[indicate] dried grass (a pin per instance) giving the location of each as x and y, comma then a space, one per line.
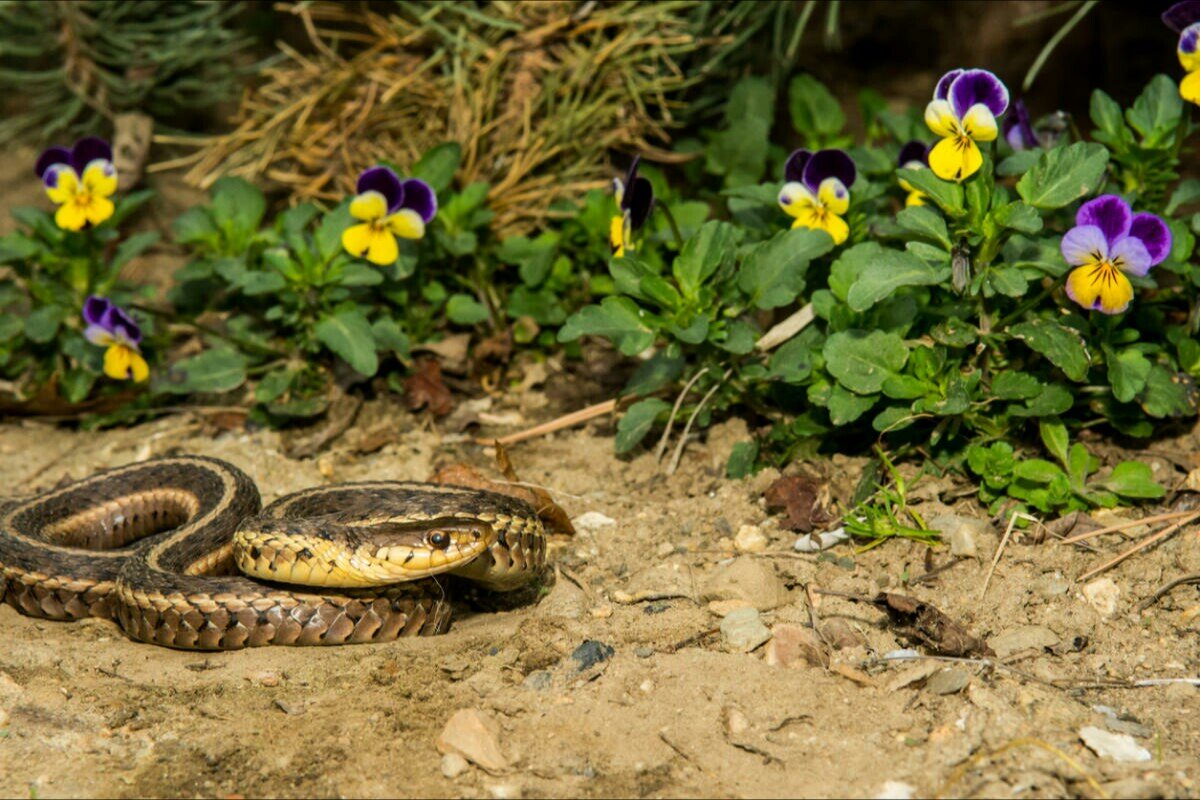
535, 92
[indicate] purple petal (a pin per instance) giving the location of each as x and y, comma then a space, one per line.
1130, 256
94, 309
829, 164
638, 201
914, 151
1109, 213
122, 326
1154, 234
793, 168
978, 86
942, 91
384, 181
420, 197
632, 173
87, 150
1189, 38
1084, 244
1018, 130
97, 335
51, 156
1181, 15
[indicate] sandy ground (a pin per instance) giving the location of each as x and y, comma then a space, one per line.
84, 711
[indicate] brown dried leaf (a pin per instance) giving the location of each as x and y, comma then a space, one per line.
424, 388
922, 623
801, 498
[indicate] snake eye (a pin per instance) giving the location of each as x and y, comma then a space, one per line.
439, 539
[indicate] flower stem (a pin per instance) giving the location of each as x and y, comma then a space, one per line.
674, 226
1032, 302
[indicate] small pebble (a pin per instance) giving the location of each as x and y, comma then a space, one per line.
795, 646
475, 736
592, 521
743, 630
962, 532
325, 466
453, 765
1117, 746
948, 681
602, 612
896, 790
722, 608
268, 678
665, 549
591, 653
1051, 585
750, 539
1102, 594
643, 652
1023, 638
504, 791
538, 680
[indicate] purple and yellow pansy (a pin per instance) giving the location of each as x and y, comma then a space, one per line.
964, 111
817, 191
110, 327
1107, 243
81, 180
913, 155
388, 207
1184, 19
635, 200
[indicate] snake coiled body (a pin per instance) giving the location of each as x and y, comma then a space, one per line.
156, 546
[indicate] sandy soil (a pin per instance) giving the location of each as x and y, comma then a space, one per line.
83, 711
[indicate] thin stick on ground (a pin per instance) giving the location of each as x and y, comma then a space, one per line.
666, 434
675, 458
1167, 589
1142, 545
1012, 522
1120, 526
565, 421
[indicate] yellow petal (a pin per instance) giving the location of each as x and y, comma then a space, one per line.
616, 236
915, 198
100, 178
955, 158
377, 245
940, 118
1189, 61
71, 216
979, 123
66, 184
122, 363
833, 195
819, 220
406, 224
1100, 286
1189, 87
796, 199
98, 210
369, 206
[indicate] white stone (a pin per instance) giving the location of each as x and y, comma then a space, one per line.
1117, 746
744, 630
453, 765
475, 736
896, 790
593, 521
1102, 595
750, 539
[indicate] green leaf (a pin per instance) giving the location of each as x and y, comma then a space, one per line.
739, 150
885, 272
274, 384
893, 418
1107, 116
947, 195
1018, 163
256, 282
42, 324
328, 236
618, 319
1127, 372
816, 113
1168, 394
1037, 470
1053, 399
1185, 194
389, 335
195, 226
1156, 112
793, 361
1007, 281
846, 406
707, 252
10, 326
358, 274
1018, 216
1079, 464
218, 370
924, 221
861, 361
462, 309
1015, 386
1054, 436
741, 459
237, 206
653, 374
954, 333
637, 422
348, 334
773, 272
133, 247
1064, 175
1133, 479
438, 165
1062, 345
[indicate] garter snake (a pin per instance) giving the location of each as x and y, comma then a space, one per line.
157, 547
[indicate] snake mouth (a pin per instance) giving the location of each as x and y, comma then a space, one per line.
360, 554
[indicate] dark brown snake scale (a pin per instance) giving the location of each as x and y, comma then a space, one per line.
150, 546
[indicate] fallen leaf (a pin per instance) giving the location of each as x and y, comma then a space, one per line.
452, 350
801, 498
497, 347
425, 389
922, 623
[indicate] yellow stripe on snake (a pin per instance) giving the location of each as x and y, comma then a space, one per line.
154, 546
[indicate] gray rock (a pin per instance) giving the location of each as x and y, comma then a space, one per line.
1117, 746
963, 533
745, 578
591, 653
1023, 638
538, 680
643, 652
1051, 585
948, 681
743, 630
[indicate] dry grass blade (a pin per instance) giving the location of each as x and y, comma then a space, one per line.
1132, 523
1142, 545
1012, 521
